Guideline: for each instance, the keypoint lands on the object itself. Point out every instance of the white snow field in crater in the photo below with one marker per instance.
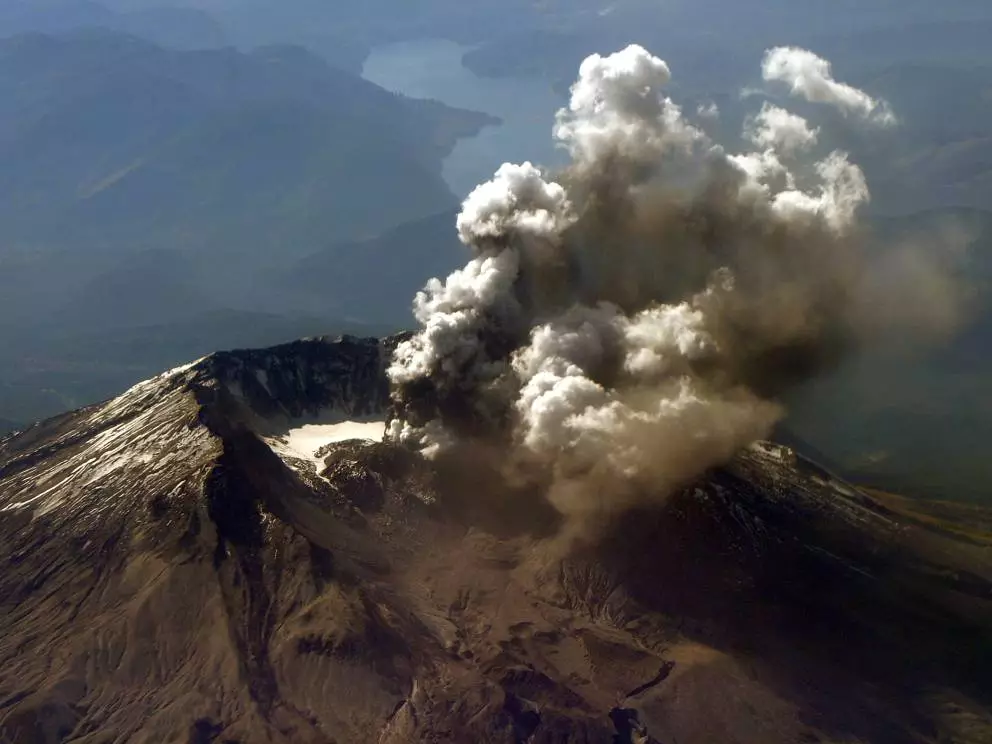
(303, 442)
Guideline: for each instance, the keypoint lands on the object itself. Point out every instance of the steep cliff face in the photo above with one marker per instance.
(308, 378)
(214, 557)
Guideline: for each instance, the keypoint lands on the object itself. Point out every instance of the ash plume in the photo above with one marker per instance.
(626, 324)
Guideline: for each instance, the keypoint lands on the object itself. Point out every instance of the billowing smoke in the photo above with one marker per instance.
(618, 110)
(777, 129)
(636, 320)
(810, 76)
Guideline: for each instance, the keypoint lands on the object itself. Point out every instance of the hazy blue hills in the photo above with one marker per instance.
(147, 188)
(343, 33)
(105, 137)
(174, 26)
(917, 421)
(113, 146)
(375, 279)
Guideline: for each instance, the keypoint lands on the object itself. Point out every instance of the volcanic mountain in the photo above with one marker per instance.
(228, 552)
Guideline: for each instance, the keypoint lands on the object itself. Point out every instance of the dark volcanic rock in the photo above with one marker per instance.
(171, 572)
(306, 377)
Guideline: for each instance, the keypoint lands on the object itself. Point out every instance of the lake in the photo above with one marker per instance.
(432, 68)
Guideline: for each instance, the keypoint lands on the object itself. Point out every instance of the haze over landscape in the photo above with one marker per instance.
(665, 323)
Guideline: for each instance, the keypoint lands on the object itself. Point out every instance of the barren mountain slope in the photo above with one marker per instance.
(183, 564)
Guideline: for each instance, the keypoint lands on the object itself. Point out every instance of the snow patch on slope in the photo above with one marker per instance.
(113, 454)
(308, 443)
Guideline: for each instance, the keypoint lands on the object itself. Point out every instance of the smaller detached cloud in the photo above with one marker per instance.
(777, 129)
(708, 110)
(810, 76)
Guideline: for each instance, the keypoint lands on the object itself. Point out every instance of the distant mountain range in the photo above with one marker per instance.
(144, 187)
(112, 142)
(374, 280)
(176, 26)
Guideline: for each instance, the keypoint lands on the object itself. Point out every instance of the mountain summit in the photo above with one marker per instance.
(228, 552)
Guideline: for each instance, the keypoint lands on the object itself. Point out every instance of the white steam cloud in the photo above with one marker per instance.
(775, 128)
(517, 201)
(617, 108)
(634, 321)
(810, 76)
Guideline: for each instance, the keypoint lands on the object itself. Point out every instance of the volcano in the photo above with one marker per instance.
(229, 552)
